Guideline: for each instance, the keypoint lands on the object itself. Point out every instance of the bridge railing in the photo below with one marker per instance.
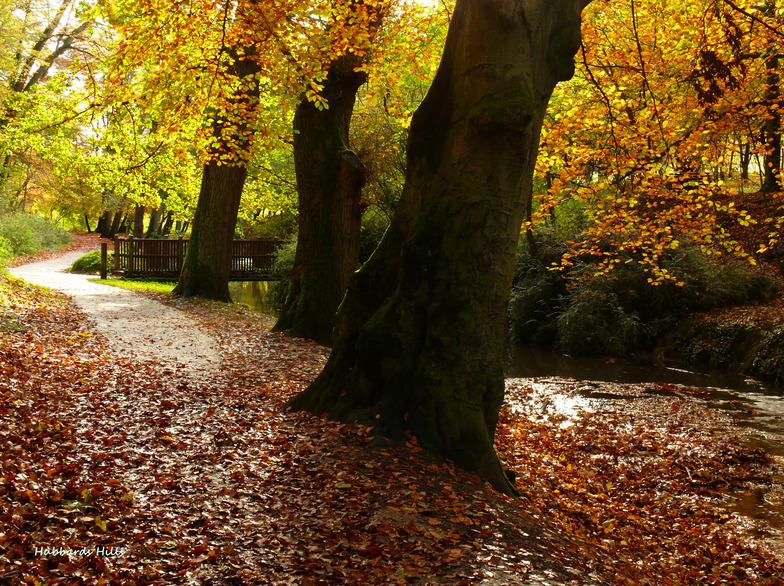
(162, 259)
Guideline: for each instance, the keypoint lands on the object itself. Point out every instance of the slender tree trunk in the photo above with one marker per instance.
(116, 223)
(771, 133)
(330, 178)
(105, 224)
(154, 228)
(745, 160)
(207, 263)
(167, 224)
(87, 223)
(419, 338)
(138, 222)
(124, 228)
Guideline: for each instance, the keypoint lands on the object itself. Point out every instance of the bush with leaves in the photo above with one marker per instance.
(28, 233)
(374, 224)
(90, 263)
(539, 293)
(6, 252)
(596, 323)
(618, 312)
(284, 258)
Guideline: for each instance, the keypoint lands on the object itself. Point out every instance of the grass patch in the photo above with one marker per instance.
(157, 286)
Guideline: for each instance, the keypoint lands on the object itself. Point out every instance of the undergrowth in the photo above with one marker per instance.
(621, 312)
(22, 234)
(90, 263)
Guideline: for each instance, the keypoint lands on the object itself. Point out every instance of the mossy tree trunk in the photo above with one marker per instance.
(207, 263)
(330, 178)
(419, 337)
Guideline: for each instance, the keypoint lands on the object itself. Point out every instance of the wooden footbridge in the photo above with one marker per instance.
(162, 259)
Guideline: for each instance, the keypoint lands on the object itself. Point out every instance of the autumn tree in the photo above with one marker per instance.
(668, 95)
(330, 174)
(330, 177)
(204, 94)
(420, 334)
(205, 271)
(38, 39)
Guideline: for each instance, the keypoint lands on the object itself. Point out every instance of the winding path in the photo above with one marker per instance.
(132, 323)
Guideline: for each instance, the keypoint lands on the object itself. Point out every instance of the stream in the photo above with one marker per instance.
(756, 409)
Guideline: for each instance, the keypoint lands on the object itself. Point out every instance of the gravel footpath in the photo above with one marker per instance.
(132, 324)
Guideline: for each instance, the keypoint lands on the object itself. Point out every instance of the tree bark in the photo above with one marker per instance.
(138, 222)
(330, 178)
(116, 223)
(207, 264)
(167, 224)
(771, 130)
(420, 335)
(104, 224)
(154, 228)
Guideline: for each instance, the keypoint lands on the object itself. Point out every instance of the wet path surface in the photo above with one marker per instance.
(132, 324)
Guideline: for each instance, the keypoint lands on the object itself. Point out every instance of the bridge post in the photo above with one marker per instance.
(104, 259)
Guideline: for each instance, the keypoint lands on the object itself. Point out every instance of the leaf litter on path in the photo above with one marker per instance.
(211, 481)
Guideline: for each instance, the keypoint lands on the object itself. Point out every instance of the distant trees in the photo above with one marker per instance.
(38, 41)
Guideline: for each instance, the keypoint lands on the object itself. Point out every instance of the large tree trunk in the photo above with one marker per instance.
(207, 264)
(330, 178)
(419, 338)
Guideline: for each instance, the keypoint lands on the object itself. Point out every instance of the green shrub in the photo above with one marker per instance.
(539, 294)
(769, 358)
(616, 313)
(90, 263)
(284, 258)
(373, 227)
(6, 252)
(595, 323)
(28, 233)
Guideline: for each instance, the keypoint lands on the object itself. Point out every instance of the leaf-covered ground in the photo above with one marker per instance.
(137, 475)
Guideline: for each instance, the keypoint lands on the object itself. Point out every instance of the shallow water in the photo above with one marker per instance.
(258, 295)
(756, 409)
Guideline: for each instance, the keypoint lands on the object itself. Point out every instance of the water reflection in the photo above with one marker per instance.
(530, 361)
(262, 296)
(756, 409)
